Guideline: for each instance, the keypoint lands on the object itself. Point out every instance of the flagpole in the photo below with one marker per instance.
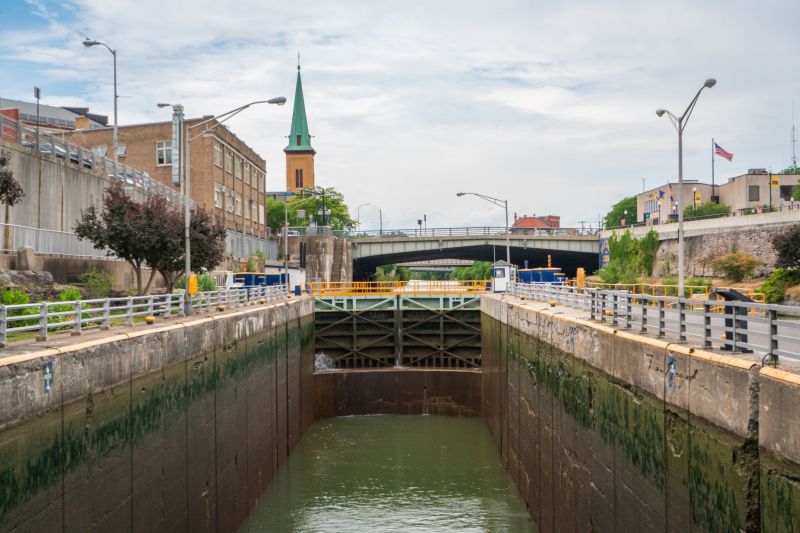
(713, 189)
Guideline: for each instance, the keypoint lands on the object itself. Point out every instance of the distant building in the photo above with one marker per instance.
(748, 191)
(531, 222)
(299, 153)
(228, 177)
(51, 118)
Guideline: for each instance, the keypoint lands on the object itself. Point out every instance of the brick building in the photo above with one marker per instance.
(228, 177)
(526, 222)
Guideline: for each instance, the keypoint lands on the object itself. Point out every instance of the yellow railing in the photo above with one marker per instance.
(386, 288)
(692, 291)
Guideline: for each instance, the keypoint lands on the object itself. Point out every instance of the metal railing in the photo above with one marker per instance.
(55, 145)
(74, 316)
(471, 231)
(242, 245)
(785, 205)
(387, 288)
(767, 329)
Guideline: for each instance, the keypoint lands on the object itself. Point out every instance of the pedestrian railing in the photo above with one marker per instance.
(742, 327)
(46, 317)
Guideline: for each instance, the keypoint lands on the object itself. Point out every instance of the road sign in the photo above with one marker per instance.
(775, 181)
(288, 193)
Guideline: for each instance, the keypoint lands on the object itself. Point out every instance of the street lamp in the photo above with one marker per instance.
(694, 198)
(88, 43)
(187, 172)
(499, 203)
(624, 217)
(680, 124)
(358, 215)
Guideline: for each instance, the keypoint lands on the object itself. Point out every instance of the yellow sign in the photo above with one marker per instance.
(697, 197)
(775, 181)
(193, 284)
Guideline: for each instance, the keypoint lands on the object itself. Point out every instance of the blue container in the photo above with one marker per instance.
(541, 275)
(250, 279)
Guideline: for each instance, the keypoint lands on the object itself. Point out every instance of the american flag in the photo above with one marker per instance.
(722, 152)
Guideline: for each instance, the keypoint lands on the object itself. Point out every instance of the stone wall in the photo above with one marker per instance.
(609, 431)
(178, 427)
(325, 258)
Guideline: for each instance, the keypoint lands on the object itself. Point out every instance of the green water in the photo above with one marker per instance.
(392, 473)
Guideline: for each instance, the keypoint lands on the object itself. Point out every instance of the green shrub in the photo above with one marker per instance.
(672, 289)
(15, 297)
(708, 209)
(97, 283)
(206, 283)
(250, 265)
(69, 295)
(774, 287)
(787, 246)
(736, 266)
(696, 286)
(629, 257)
(260, 255)
(614, 273)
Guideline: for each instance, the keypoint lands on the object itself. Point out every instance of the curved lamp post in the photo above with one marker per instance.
(499, 203)
(680, 124)
(88, 43)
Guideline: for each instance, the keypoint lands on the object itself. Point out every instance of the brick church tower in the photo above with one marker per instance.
(299, 153)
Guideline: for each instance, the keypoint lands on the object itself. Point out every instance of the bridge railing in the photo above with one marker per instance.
(766, 329)
(387, 288)
(44, 318)
(424, 233)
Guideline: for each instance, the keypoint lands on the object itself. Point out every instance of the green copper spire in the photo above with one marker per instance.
(299, 138)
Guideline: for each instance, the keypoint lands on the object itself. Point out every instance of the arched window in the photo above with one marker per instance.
(298, 140)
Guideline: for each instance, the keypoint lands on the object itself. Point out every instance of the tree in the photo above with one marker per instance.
(10, 190)
(629, 257)
(787, 246)
(338, 214)
(708, 209)
(479, 270)
(118, 226)
(614, 217)
(392, 273)
(276, 213)
(151, 233)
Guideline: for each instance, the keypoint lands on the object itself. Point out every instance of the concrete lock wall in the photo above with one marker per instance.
(397, 392)
(178, 427)
(609, 431)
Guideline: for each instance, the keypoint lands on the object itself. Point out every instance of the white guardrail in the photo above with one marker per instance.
(46, 317)
(738, 327)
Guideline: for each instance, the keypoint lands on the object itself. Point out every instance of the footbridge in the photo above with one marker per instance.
(568, 248)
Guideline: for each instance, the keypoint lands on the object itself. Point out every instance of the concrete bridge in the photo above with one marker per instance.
(567, 248)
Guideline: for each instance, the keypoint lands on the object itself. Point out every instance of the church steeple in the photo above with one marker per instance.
(299, 153)
(299, 137)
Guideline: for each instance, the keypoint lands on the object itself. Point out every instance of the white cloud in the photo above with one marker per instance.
(548, 104)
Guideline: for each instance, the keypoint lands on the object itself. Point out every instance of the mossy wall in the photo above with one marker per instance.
(188, 446)
(592, 452)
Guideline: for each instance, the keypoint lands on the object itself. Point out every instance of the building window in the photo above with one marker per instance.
(218, 196)
(163, 153)
(121, 149)
(298, 178)
(298, 140)
(237, 168)
(247, 209)
(100, 151)
(786, 191)
(752, 193)
(228, 199)
(238, 204)
(218, 154)
(650, 206)
(228, 161)
(261, 214)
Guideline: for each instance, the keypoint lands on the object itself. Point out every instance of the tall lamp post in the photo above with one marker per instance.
(358, 215)
(500, 203)
(680, 124)
(187, 172)
(88, 43)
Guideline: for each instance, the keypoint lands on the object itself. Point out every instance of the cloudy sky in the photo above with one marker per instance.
(548, 104)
